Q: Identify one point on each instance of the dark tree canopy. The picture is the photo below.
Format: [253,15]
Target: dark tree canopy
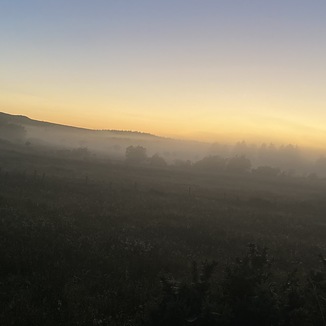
[238,164]
[158,161]
[211,163]
[136,154]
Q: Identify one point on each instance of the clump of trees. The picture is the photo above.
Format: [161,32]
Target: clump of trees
[157,161]
[240,164]
[237,164]
[248,294]
[137,155]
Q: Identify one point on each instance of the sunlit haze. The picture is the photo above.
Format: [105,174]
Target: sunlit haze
[208,70]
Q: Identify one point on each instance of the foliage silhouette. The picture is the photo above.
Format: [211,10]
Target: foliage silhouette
[136,154]
[247,295]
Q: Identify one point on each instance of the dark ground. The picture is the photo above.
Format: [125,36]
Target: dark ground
[85,242]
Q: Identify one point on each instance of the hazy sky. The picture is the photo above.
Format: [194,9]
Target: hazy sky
[208,69]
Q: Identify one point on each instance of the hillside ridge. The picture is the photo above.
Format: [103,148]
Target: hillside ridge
[24,120]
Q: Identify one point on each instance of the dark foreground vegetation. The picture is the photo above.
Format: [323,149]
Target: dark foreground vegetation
[88,242]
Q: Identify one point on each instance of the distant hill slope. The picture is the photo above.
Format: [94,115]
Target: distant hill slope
[20,129]
[26,121]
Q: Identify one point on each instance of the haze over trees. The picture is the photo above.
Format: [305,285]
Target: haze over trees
[180,176]
[110,229]
[136,154]
[112,144]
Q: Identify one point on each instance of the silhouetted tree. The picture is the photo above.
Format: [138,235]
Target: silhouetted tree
[238,164]
[136,154]
[157,160]
[186,303]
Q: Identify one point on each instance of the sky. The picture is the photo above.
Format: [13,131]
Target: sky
[214,70]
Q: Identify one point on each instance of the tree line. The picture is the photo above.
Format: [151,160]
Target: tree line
[237,164]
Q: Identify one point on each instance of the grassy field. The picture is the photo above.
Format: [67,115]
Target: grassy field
[85,242]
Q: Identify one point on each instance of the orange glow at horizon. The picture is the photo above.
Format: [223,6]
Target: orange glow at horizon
[222,72]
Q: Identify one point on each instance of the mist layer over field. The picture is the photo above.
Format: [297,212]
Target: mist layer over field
[205,156]
[163,163]
[96,235]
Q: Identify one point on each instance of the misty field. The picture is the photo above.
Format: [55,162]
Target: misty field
[94,242]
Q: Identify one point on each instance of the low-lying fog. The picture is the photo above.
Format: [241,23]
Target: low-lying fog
[69,141]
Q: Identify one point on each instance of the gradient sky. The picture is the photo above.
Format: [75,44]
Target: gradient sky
[203,69]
